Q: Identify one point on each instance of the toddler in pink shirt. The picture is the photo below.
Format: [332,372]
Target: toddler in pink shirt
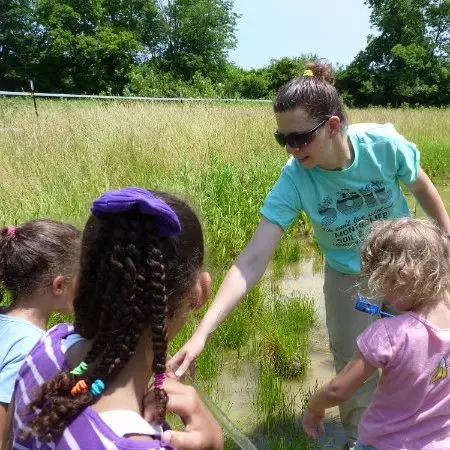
[407,261]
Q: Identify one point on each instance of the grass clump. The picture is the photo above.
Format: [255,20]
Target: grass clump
[279,426]
[285,340]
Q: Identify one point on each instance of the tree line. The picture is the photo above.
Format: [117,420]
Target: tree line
[180,48]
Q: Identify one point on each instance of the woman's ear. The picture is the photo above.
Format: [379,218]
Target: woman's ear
[335,125]
[202,290]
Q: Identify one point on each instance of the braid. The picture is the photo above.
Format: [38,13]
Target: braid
[159,307]
[53,408]
[121,345]
[109,300]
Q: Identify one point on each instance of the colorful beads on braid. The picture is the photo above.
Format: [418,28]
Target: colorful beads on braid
[159,380]
[80,369]
[79,388]
[97,387]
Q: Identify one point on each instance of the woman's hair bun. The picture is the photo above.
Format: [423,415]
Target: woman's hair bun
[321,69]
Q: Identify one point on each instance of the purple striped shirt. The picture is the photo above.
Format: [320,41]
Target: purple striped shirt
[87,430]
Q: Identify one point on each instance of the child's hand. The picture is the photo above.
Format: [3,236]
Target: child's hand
[201,428]
[312,423]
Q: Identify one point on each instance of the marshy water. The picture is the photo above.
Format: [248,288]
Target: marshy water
[238,379]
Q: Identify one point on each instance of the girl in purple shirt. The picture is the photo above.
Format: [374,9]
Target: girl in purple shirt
[83,386]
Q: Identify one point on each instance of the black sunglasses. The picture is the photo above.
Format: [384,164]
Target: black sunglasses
[297,140]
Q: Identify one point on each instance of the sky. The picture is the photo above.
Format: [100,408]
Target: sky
[271,29]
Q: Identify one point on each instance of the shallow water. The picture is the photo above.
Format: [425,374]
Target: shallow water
[237,383]
[302,279]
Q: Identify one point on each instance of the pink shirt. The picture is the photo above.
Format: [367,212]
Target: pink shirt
[411,406]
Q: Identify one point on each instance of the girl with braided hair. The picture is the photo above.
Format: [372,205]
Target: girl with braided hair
[38,263]
[83,386]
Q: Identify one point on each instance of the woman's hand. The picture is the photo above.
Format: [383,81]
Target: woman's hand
[186,356]
[201,432]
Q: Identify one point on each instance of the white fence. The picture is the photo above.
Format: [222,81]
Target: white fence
[115,97]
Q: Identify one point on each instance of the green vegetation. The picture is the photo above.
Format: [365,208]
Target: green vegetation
[286,325]
[407,59]
[224,161]
[279,427]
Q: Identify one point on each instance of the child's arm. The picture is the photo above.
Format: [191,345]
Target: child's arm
[3,413]
[6,433]
[429,199]
[339,389]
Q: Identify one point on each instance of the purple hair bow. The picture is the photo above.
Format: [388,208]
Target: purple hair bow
[130,198]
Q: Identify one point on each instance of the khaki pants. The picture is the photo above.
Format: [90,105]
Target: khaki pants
[344,324]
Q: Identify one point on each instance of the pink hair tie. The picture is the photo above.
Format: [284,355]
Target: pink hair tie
[11,230]
[159,379]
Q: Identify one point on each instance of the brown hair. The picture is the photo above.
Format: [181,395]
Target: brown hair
[313,93]
[410,257]
[34,253]
[131,280]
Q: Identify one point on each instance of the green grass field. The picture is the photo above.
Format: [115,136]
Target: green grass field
[224,161]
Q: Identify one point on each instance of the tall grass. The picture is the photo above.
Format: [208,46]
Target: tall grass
[224,161]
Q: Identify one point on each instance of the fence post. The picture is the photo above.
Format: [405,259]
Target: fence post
[34,98]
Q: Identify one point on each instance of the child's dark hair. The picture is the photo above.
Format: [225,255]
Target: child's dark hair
[314,92]
[131,280]
[33,253]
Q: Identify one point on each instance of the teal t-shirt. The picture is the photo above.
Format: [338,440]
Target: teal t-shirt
[17,338]
[341,203]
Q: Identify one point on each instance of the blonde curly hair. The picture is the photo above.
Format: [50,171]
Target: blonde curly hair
[409,258]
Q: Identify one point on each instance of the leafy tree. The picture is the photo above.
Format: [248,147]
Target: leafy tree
[18,34]
[86,46]
[142,18]
[76,45]
[198,35]
[437,16]
[407,60]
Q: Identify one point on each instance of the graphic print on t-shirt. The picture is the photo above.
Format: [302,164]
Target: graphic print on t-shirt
[374,196]
[441,370]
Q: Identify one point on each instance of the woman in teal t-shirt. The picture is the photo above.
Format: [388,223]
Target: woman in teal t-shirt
[343,178]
